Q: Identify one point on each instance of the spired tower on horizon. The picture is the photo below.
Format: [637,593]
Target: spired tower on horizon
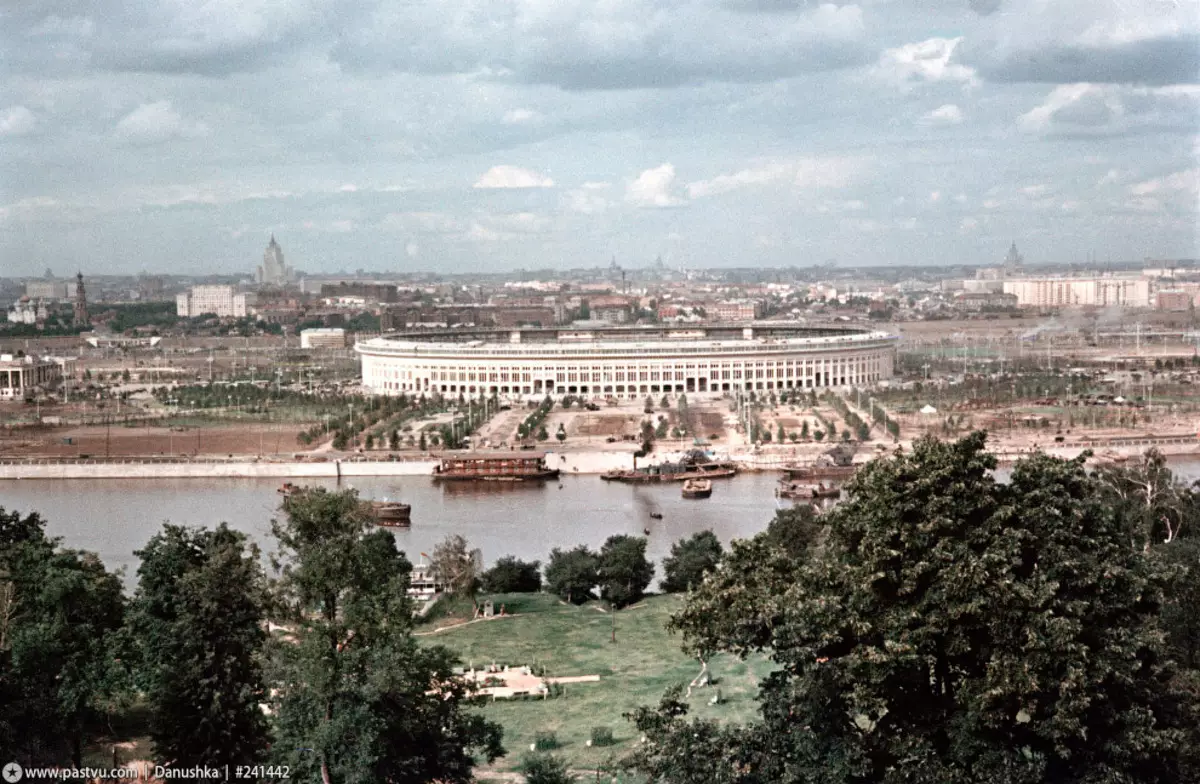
[1014,262]
[273,271]
[81,309]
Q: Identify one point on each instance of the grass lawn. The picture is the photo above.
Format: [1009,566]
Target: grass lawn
[571,640]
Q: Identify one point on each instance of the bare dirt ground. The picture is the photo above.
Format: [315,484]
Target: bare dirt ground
[119,441]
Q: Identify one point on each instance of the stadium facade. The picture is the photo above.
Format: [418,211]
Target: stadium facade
[625,363]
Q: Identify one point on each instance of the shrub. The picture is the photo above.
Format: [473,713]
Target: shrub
[602,736]
[545,739]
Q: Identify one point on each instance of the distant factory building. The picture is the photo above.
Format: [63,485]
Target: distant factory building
[222,301]
[323,337]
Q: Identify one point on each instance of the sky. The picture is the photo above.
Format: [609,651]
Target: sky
[175,136]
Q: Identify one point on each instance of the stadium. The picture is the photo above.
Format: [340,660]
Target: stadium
[625,362]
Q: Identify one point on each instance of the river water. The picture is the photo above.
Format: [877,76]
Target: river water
[116,517]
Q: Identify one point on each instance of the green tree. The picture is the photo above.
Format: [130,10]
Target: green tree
[545,769]
[804,430]
[624,571]
[61,614]
[955,629]
[561,435]
[356,699]
[665,403]
[512,575]
[198,623]
[572,575]
[780,435]
[457,567]
[690,560]
[421,445]
[1181,610]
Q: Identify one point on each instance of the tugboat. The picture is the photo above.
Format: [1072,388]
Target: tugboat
[697,488]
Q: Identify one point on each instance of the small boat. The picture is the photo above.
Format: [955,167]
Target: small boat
[697,488]
[656,515]
[389,513]
[287,489]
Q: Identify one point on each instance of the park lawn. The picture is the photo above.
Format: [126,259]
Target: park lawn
[570,640]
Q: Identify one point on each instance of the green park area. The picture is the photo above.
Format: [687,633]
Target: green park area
[570,640]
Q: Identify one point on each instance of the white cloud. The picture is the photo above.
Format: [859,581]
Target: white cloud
[513,177]
[968,224]
[654,188]
[803,173]
[1084,106]
[586,202]
[412,250]
[156,122]
[946,114]
[724,183]
[519,116]
[496,228]
[348,188]
[1187,181]
[924,61]
[16,121]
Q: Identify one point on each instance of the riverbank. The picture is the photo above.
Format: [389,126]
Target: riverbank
[581,463]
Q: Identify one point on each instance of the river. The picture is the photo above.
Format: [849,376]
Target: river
[116,517]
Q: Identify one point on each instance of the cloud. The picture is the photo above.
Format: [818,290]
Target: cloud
[946,114]
[927,61]
[16,121]
[503,227]
[1151,43]
[803,173]
[152,123]
[1105,108]
[519,116]
[513,177]
[654,188]
[602,46]
[1187,181]
[412,250]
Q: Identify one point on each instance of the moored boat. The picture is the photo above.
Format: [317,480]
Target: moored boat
[799,491]
[673,472]
[697,488]
[288,488]
[389,513]
[494,467]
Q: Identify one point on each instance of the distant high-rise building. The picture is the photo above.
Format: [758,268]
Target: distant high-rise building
[274,272]
[81,310]
[1014,262]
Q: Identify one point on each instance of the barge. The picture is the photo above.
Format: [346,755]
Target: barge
[688,468]
[697,488]
[389,513]
[494,467]
[797,491]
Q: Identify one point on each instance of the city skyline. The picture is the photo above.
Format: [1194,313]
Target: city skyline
[729,133]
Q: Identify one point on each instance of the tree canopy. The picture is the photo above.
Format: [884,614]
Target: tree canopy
[949,628]
[198,622]
[690,560]
[512,575]
[623,570]
[572,575]
[358,701]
